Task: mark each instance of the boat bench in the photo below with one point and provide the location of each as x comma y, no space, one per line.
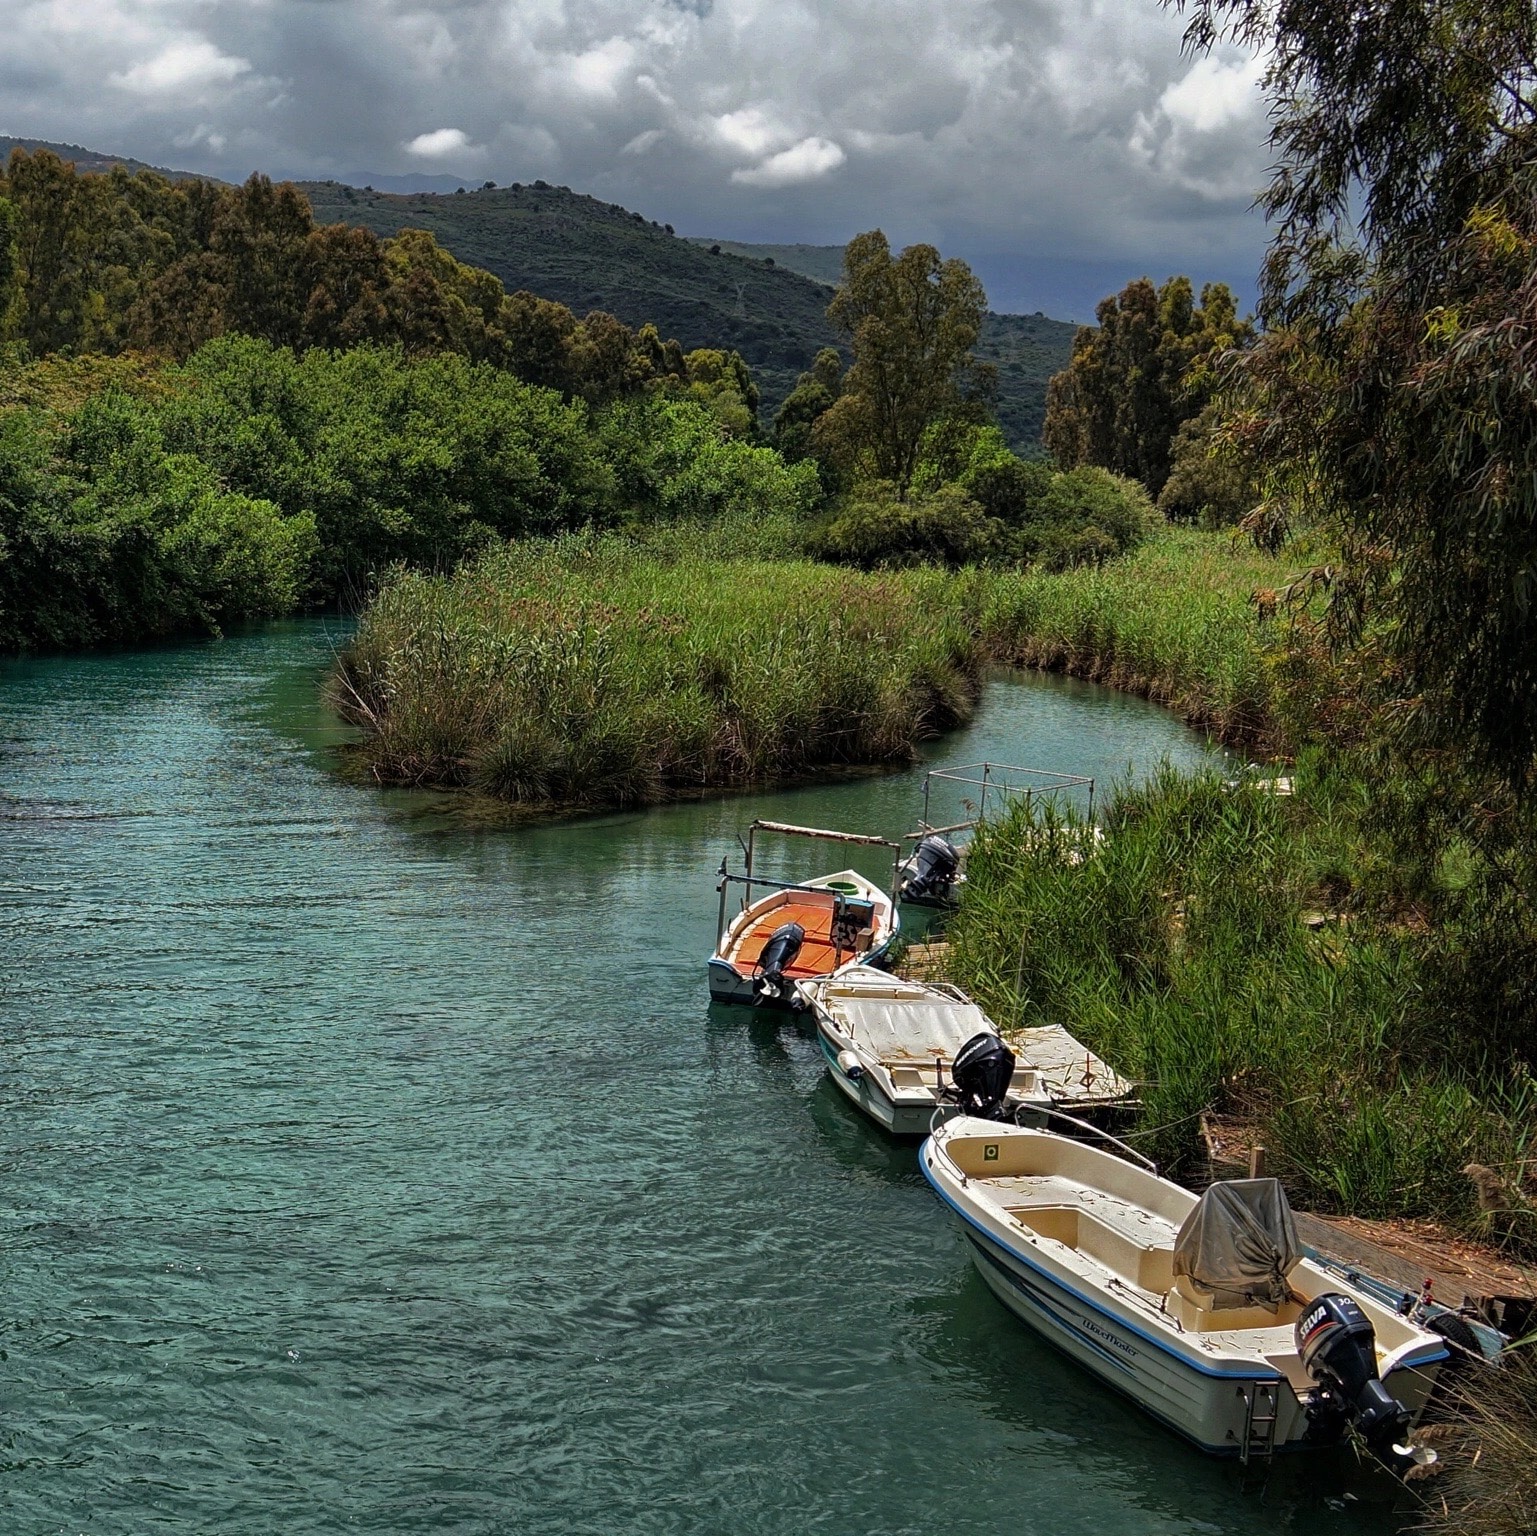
1124,1239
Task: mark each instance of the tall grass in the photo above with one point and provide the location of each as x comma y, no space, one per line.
1180,953
620,670
1490,1487
592,670
1175,620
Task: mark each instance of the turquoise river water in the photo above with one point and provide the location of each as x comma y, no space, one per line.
369,1165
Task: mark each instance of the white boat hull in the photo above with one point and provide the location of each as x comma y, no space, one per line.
1195,1383
913,1118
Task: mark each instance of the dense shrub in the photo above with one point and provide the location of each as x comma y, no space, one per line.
135,502
873,526
981,503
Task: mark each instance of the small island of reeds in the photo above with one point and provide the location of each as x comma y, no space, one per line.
604,670
592,671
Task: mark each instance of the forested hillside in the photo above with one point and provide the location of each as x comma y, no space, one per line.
91,160
588,254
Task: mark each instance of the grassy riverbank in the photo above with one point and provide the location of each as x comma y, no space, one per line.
1175,621
595,671
606,670
1275,959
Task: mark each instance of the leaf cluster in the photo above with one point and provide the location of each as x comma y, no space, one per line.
1138,375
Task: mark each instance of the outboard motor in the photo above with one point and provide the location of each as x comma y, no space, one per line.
934,864
1337,1346
770,984
980,1076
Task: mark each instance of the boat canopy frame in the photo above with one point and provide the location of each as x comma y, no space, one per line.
748,880
997,779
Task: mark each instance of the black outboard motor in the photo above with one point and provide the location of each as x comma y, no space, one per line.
934,864
770,984
1337,1346
980,1075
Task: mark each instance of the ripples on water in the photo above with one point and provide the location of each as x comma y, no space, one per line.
366,1170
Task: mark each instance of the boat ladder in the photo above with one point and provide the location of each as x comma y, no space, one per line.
1261,1409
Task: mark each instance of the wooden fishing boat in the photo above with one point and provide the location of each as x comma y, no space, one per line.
796,931
1201,1310
891,1047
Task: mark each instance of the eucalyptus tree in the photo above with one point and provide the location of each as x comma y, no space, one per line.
1132,381
1399,380
911,322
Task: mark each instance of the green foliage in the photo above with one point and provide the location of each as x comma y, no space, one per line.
1397,385
593,671
875,526
912,322
10,225
1178,950
102,262
1136,377
136,502
1174,620
119,537
671,461
972,500
721,383
1212,481
795,423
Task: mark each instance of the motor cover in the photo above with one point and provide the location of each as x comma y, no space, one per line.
980,1076
777,956
934,864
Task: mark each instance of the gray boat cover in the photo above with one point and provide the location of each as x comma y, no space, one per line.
1240,1242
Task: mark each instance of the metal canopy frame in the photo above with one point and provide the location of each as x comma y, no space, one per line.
748,880
998,779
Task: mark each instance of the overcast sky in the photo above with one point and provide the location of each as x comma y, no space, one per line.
1045,138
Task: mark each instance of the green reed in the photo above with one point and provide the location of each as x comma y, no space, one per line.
614,670
595,670
1178,620
1205,950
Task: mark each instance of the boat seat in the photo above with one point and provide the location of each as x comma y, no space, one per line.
1139,1251
817,954
1194,1307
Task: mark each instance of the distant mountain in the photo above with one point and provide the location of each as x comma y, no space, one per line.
757,300
91,160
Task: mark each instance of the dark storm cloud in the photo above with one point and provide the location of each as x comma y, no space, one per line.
1057,128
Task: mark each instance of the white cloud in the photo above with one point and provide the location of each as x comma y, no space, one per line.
1059,127
1202,134
749,131
439,143
203,134
807,161
1214,93
598,71
189,64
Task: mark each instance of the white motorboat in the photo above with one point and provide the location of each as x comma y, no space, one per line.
1200,1310
891,1045
934,873
797,932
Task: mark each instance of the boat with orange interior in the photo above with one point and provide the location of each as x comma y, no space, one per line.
786,932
